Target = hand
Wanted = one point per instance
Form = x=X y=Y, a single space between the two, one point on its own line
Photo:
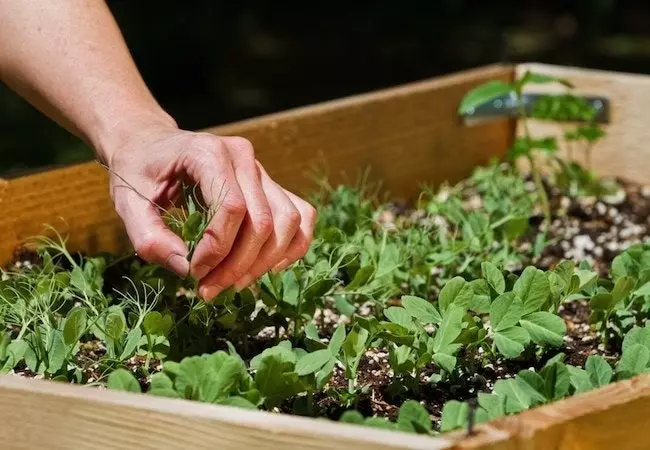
x=259 y=226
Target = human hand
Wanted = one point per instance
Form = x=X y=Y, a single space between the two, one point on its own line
x=258 y=226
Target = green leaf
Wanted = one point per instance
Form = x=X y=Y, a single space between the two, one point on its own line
x=239 y=402
x=343 y=305
x=132 y=340
x=15 y=352
x=622 y=288
x=556 y=381
x=413 y=416
x=399 y=316
x=352 y=416
x=603 y=301
x=123 y=380
x=506 y=311
x=155 y=323
x=511 y=341
x=483 y=94
x=633 y=361
x=75 y=325
x=544 y=328
x=454 y=415
x=337 y=340
x=192 y=227
x=360 y=278
x=599 y=370
x=445 y=361
x=449 y=330
x=115 y=325
x=637 y=335
x=494 y=405
x=493 y=276
x=276 y=380
x=539 y=78
x=532 y=288
x=312 y=362
x=290 y=288
x=580 y=379
x=421 y=309
x=518 y=393
x=456 y=291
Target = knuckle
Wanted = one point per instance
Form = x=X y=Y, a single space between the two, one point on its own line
x=311 y=215
x=263 y=224
x=216 y=248
x=234 y=206
x=302 y=247
x=242 y=144
x=292 y=218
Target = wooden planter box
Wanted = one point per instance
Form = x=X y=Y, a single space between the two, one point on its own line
x=407 y=135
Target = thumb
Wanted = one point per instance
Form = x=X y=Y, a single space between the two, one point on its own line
x=152 y=240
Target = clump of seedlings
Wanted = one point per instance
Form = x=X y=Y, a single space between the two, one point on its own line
x=466 y=307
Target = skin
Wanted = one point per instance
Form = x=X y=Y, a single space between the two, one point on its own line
x=68 y=58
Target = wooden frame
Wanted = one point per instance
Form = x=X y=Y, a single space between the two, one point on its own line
x=406 y=135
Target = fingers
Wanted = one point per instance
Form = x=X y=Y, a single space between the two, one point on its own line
x=211 y=165
x=292 y=233
x=152 y=240
x=255 y=229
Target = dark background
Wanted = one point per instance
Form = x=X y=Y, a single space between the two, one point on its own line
x=211 y=62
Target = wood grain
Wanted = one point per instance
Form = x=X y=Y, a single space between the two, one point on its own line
x=625 y=151
x=405 y=135
x=36 y=413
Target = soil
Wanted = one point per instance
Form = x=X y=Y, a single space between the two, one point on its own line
x=582 y=228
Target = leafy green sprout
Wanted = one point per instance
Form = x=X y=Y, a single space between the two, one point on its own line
x=189 y=221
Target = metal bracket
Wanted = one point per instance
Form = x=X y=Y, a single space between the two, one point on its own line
x=506 y=106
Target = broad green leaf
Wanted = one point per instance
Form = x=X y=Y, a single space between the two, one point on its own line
x=155 y=323
x=580 y=379
x=599 y=370
x=132 y=340
x=325 y=373
x=511 y=341
x=75 y=325
x=360 y=278
x=399 y=316
x=352 y=416
x=161 y=381
x=14 y=353
x=115 y=325
x=449 y=329
x=192 y=227
x=633 y=361
x=188 y=378
x=518 y=393
x=421 y=309
x=413 y=416
x=483 y=94
x=454 y=415
x=445 y=361
x=533 y=379
x=556 y=381
x=239 y=402
x=312 y=362
x=603 y=301
x=5 y=340
x=337 y=340
x=532 y=288
x=643 y=291
x=506 y=311
x=540 y=78
x=56 y=352
x=544 y=328
x=456 y=291
x=493 y=404
x=220 y=375
x=637 y=335
x=276 y=380
x=123 y=380
x=290 y=288
x=493 y=276
x=343 y=305
x=622 y=288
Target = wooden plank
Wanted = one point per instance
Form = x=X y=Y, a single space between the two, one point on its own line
x=406 y=135
x=624 y=152
x=614 y=416
x=34 y=412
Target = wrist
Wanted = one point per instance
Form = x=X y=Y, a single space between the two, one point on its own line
x=119 y=135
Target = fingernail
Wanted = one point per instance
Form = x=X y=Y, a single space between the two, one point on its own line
x=280 y=266
x=243 y=282
x=200 y=271
x=208 y=293
x=179 y=264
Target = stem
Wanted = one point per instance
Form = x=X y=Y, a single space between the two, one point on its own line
x=148 y=358
x=310 y=402
x=539 y=186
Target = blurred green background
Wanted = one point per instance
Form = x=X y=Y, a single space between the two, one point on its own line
x=211 y=62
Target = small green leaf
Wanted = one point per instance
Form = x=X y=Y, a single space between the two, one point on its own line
x=75 y=325
x=421 y=309
x=290 y=288
x=413 y=416
x=192 y=227
x=532 y=288
x=580 y=379
x=544 y=328
x=511 y=341
x=454 y=415
x=456 y=291
x=493 y=276
x=360 y=278
x=399 y=316
x=506 y=311
x=352 y=416
x=633 y=361
x=337 y=340
x=312 y=362
x=494 y=405
x=599 y=370
x=483 y=94
x=123 y=380
x=115 y=325
x=540 y=78
x=131 y=344
x=155 y=323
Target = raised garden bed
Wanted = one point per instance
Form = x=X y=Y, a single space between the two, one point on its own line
x=405 y=135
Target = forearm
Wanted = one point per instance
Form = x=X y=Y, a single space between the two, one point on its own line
x=68 y=58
